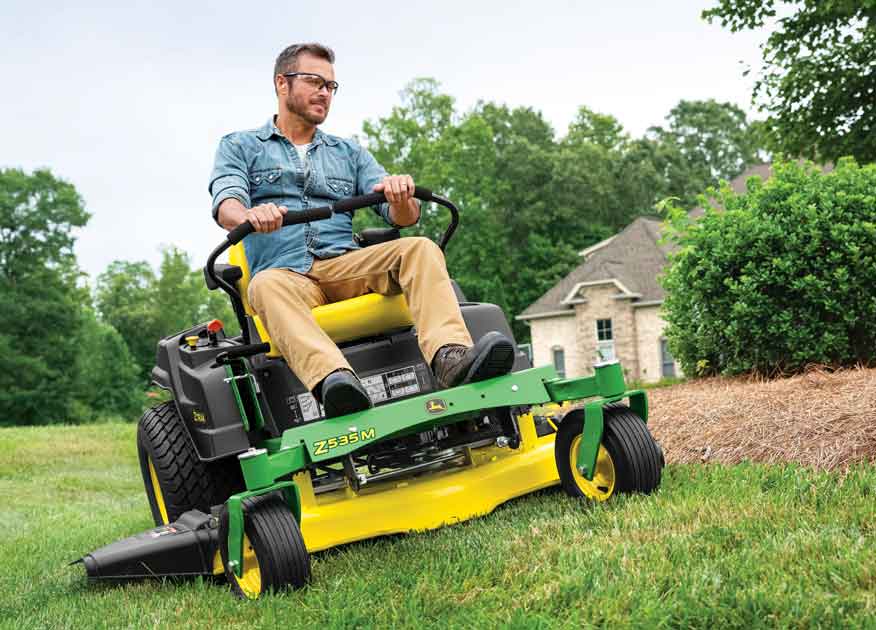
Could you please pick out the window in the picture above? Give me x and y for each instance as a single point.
(666, 360)
(604, 340)
(559, 361)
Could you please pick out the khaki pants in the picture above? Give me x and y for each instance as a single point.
(414, 266)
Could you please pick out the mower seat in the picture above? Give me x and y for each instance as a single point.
(363, 316)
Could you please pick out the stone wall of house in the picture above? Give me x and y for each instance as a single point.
(650, 325)
(601, 304)
(550, 332)
(637, 333)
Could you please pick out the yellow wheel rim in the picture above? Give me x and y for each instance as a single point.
(251, 580)
(218, 567)
(156, 491)
(602, 486)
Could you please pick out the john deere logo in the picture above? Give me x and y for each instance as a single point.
(436, 405)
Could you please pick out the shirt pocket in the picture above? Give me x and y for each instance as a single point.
(339, 187)
(264, 183)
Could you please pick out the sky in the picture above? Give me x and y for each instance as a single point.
(128, 100)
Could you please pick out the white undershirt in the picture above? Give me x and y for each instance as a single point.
(302, 151)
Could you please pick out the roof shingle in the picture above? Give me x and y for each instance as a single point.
(634, 257)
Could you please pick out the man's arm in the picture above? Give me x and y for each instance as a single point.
(402, 210)
(229, 185)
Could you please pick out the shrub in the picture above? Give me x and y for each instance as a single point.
(784, 276)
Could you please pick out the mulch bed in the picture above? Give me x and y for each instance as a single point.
(822, 418)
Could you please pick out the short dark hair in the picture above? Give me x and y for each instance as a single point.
(287, 61)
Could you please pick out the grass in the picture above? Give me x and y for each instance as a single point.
(743, 546)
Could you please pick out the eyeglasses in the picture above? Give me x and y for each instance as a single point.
(315, 81)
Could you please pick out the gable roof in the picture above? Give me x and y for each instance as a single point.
(631, 260)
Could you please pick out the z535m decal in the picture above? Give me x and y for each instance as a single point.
(321, 447)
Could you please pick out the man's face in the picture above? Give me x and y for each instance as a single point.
(301, 97)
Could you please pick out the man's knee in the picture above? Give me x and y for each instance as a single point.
(422, 245)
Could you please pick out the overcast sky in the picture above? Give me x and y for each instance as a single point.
(128, 102)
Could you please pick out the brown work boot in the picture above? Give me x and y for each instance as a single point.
(492, 355)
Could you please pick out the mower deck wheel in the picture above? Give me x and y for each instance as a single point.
(274, 554)
(629, 459)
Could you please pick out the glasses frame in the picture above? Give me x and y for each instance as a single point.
(331, 86)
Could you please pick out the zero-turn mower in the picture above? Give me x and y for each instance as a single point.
(245, 477)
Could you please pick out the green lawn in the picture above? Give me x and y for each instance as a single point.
(744, 546)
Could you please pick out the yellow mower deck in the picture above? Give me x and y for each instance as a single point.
(431, 500)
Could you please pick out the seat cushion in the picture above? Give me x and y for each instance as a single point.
(363, 316)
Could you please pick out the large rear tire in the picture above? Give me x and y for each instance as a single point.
(629, 459)
(274, 554)
(175, 478)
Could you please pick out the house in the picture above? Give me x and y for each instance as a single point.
(608, 307)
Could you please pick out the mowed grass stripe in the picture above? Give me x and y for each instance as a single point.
(742, 546)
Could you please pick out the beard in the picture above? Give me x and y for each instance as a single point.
(301, 108)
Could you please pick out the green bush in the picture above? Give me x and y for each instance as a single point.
(784, 276)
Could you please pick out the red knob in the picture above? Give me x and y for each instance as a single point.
(215, 326)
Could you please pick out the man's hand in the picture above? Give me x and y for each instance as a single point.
(266, 217)
(399, 189)
(404, 210)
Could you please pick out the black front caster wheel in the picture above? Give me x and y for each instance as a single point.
(629, 459)
(274, 555)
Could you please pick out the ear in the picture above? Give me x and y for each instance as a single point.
(281, 84)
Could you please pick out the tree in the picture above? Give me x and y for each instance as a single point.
(145, 307)
(124, 297)
(40, 318)
(702, 143)
(107, 379)
(780, 278)
(529, 203)
(817, 81)
(592, 127)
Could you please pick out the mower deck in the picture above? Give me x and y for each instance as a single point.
(491, 476)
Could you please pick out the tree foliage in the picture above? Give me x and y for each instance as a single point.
(40, 319)
(818, 80)
(780, 278)
(107, 381)
(704, 142)
(145, 307)
(529, 200)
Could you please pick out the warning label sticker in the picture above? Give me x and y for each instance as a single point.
(310, 407)
(394, 384)
(380, 387)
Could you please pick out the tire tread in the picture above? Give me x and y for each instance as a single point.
(186, 482)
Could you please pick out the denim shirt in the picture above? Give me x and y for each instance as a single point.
(262, 166)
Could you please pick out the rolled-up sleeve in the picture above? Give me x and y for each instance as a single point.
(230, 179)
(369, 174)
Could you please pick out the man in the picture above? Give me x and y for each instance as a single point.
(289, 165)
